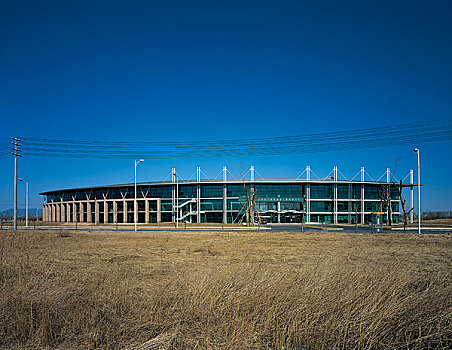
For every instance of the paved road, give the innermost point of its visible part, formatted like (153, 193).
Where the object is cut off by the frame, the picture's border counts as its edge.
(273, 227)
(351, 229)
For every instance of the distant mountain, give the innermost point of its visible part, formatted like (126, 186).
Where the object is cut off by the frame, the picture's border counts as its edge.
(20, 212)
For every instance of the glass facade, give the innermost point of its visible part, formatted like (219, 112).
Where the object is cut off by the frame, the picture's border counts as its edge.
(187, 191)
(237, 190)
(273, 192)
(321, 191)
(211, 191)
(282, 201)
(322, 206)
(211, 205)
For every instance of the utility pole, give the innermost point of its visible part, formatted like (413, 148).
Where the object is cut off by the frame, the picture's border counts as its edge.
(16, 152)
(416, 150)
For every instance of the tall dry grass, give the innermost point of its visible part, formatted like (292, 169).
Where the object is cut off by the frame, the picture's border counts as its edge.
(52, 297)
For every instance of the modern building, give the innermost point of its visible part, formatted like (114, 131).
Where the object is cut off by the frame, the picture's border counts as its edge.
(332, 199)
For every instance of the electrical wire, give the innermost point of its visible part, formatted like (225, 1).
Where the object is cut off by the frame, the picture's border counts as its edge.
(411, 133)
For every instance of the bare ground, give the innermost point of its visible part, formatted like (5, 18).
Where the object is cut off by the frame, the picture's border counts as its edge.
(206, 290)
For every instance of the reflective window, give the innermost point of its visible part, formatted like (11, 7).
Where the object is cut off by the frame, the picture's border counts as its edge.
(321, 191)
(321, 206)
(277, 192)
(212, 217)
(152, 205)
(209, 191)
(343, 206)
(264, 206)
(395, 206)
(187, 191)
(372, 206)
(160, 192)
(394, 193)
(167, 205)
(371, 192)
(291, 206)
(237, 190)
(343, 191)
(211, 205)
(234, 204)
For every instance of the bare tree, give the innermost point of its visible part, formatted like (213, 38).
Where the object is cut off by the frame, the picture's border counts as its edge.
(403, 202)
(384, 192)
(357, 209)
(250, 205)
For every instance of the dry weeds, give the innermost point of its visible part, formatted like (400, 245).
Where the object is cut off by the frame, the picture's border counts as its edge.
(224, 290)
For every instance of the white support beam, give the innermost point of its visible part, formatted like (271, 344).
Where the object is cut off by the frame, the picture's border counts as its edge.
(173, 195)
(362, 194)
(308, 194)
(411, 196)
(198, 194)
(225, 195)
(335, 194)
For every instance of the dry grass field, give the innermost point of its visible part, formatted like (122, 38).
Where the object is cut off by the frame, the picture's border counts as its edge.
(244, 290)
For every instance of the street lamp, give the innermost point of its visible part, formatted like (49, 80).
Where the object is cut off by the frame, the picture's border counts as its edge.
(418, 189)
(177, 198)
(135, 201)
(26, 201)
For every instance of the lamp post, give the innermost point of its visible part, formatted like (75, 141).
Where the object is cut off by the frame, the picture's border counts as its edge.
(135, 201)
(26, 201)
(418, 189)
(177, 199)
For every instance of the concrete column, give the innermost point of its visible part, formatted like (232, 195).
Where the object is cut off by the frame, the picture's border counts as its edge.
(74, 212)
(279, 209)
(81, 208)
(146, 211)
(159, 210)
(63, 212)
(124, 210)
(88, 211)
(96, 213)
(115, 211)
(105, 212)
(58, 212)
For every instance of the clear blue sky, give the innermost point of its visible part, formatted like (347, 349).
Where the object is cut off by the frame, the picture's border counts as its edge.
(206, 70)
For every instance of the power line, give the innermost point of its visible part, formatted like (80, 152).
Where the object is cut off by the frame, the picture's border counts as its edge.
(420, 132)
